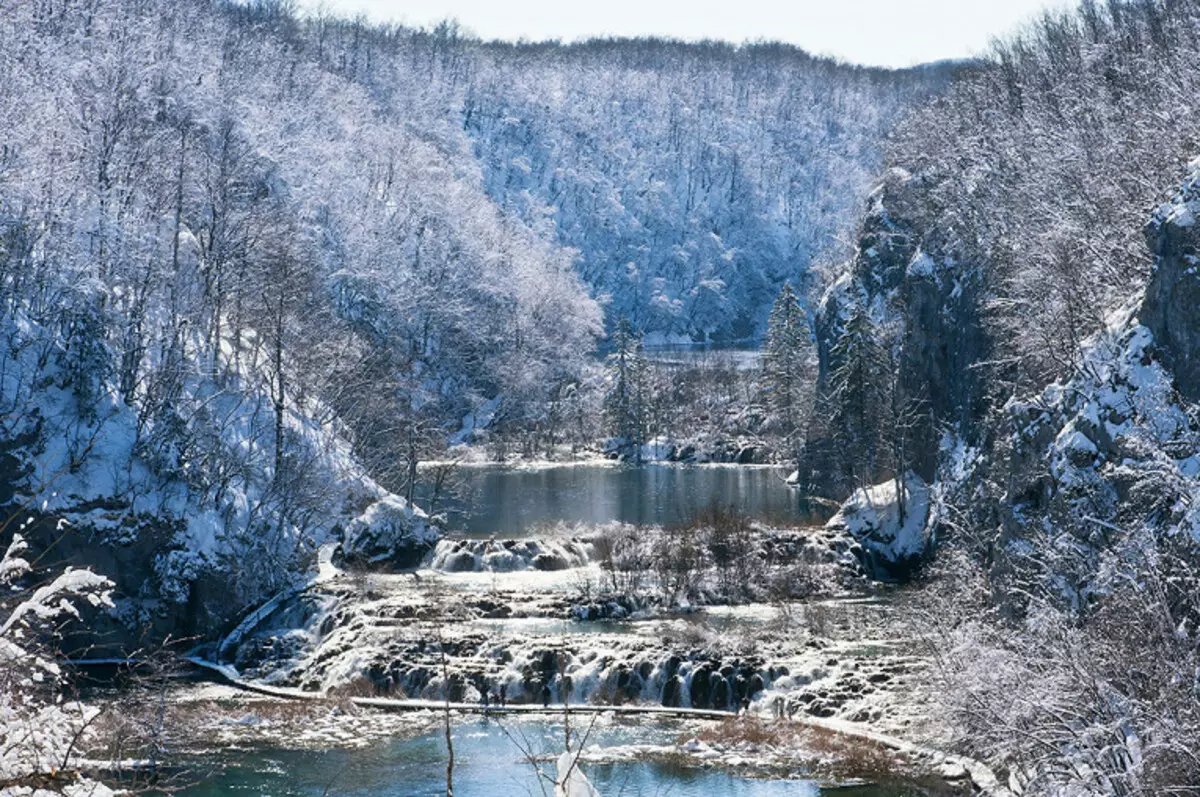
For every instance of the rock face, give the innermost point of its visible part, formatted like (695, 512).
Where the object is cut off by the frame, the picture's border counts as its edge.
(1171, 309)
(911, 280)
(887, 242)
(1108, 449)
(390, 534)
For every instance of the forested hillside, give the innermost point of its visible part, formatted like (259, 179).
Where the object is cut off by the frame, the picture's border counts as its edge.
(1019, 328)
(238, 287)
(255, 267)
(693, 180)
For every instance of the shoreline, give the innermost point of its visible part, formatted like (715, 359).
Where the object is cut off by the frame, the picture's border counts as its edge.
(260, 717)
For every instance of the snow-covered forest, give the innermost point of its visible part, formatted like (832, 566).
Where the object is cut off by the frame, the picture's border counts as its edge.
(693, 180)
(276, 288)
(255, 264)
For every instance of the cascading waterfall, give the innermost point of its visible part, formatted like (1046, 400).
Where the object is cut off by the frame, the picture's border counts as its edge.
(506, 556)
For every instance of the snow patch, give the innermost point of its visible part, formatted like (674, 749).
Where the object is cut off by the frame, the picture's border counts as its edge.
(892, 532)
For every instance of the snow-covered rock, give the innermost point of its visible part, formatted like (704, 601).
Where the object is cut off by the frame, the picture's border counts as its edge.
(894, 537)
(1093, 457)
(390, 532)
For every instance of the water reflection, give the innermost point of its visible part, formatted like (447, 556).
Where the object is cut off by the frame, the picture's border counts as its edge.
(506, 502)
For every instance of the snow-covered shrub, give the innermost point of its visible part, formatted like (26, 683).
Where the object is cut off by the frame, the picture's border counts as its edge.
(39, 731)
(1106, 707)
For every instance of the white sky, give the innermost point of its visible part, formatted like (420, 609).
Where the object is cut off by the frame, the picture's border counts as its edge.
(877, 32)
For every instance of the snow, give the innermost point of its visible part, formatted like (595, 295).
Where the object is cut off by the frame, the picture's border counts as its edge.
(475, 421)
(50, 601)
(571, 780)
(922, 265)
(872, 515)
(1181, 211)
(659, 449)
(1074, 440)
(12, 566)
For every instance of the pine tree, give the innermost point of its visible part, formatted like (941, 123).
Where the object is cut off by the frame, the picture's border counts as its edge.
(860, 392)
(787, 355)
(625, 403)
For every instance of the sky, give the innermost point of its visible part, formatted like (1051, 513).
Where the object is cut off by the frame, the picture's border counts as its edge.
(876, 32)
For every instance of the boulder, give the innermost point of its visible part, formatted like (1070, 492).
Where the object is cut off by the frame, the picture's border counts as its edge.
(550, 561)
(390, 534)
(720, 692)
(701, 688)
(672, 696)
(892, 543)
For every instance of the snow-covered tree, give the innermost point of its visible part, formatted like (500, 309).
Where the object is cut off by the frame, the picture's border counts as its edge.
(626, 401)
(39, 731)
(788, 354)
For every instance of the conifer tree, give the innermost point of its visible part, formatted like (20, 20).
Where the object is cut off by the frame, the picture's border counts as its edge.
(787, 358)
(625, 403)
(860, 387)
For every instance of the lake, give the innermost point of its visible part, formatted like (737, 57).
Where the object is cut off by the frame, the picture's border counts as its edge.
(505, 501)
(488, 764)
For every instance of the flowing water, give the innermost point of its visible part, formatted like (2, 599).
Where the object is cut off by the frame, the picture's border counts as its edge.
(514, 501)
(488, 762)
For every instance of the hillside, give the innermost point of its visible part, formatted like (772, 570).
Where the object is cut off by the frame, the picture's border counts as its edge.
(1022, 303)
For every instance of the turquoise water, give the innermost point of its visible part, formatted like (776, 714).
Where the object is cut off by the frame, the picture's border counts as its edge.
(488, 763)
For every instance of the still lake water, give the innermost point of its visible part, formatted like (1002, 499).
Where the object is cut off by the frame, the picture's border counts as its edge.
(514, 501)
(488, 764)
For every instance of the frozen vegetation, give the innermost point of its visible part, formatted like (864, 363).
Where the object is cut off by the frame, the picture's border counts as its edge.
(270, 283)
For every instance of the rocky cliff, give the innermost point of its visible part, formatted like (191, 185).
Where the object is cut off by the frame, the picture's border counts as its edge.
(925, 300)
(1071, 474)
(1171, 308)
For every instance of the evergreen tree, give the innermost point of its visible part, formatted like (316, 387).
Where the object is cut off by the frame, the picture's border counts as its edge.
(860, 388)
(787, 355)
(625, 403)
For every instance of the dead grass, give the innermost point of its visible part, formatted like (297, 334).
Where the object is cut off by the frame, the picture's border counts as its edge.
(824, 752)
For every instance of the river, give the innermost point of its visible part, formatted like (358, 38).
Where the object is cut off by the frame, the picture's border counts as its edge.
(515, 502)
